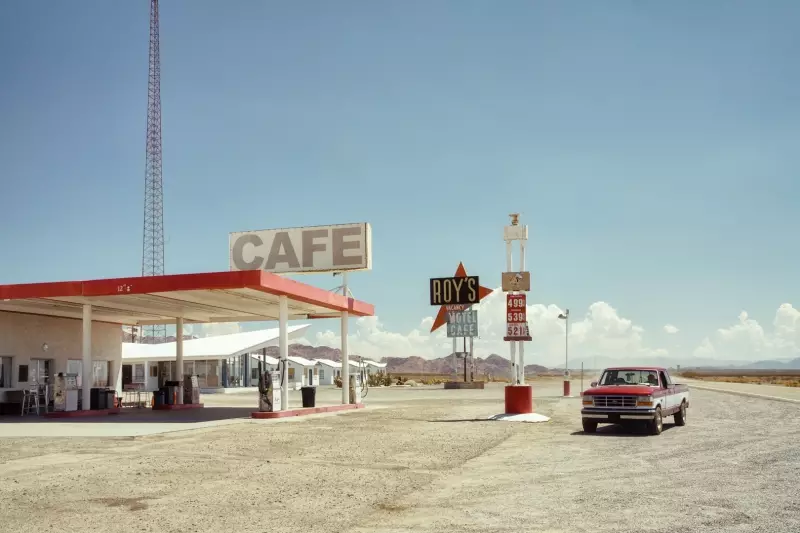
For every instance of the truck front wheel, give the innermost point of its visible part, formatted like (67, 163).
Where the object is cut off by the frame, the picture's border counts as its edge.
(657, 423)
(589, 426)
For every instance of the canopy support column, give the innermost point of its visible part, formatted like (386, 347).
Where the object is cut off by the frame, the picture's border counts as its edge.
(283, 348)
(179, 357)
(86, 360)
(345, 354)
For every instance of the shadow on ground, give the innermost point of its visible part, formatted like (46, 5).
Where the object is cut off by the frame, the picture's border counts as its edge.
(616, 430)
(142, 416)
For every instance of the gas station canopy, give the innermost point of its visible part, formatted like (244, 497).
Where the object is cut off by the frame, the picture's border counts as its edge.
(231, 296)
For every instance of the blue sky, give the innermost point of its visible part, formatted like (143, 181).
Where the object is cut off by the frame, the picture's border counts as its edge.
(652, 147)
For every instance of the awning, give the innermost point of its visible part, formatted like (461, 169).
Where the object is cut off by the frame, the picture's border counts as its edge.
(235, 296)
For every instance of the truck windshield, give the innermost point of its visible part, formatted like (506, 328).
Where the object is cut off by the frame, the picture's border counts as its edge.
(629, 377)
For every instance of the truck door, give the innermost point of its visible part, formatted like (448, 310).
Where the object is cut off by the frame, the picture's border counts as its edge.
(669, 399)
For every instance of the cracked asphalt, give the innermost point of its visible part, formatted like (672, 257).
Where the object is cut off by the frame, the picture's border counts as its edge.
(420, 460)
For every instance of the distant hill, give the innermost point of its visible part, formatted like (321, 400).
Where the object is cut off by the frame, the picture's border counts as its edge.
(493, 365)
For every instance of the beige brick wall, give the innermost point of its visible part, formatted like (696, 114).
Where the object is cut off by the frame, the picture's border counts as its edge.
(22, 336)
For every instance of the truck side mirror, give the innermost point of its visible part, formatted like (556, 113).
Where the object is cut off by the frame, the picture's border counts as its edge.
(593, 384)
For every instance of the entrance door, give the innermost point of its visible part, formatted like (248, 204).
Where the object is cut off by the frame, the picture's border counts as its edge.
(127, 375)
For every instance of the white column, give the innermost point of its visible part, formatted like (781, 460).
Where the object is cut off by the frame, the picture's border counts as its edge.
(179, 357)
(471, 360)
(86, 363)
(283, 348)
(455, 359)
(512, 345)
(521, 366)
(345, 354)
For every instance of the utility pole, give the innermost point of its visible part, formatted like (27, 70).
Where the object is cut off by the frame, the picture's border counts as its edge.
(153, 241)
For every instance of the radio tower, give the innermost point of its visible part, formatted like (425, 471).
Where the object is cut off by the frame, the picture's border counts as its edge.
(153, 246)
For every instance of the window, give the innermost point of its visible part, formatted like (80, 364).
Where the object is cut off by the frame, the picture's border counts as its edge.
(75, 366)
(138, 373)
(321, 374)
(253, 373)
(5, 372)
(291, 373)
(100, 373)
(154, 371)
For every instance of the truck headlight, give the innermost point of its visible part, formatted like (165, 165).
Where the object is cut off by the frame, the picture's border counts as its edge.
(588, 400)
(645, 401)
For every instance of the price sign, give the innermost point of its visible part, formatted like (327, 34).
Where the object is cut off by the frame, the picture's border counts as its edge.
(516, 305)
(516, 318)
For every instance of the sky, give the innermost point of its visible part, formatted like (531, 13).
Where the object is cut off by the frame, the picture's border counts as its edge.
(651, 147)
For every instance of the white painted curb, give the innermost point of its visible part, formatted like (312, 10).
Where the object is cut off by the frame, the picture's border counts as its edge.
(742, 393)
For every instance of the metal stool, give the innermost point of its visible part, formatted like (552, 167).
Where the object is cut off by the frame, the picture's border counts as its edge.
(30, 400)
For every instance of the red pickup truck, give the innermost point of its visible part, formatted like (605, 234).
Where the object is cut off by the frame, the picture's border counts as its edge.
(636, 393)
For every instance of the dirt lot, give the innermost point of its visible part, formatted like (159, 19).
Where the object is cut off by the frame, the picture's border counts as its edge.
(786, 378)
(418, 461)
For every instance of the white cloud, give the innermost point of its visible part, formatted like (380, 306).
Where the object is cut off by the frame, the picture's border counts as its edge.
(672, 330)
(600, 332)
(747, 340)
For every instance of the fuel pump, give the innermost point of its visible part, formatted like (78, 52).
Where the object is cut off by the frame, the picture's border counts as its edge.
(358, 384)
(269, 396)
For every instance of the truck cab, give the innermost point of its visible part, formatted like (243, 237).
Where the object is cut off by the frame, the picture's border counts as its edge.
(634, 394)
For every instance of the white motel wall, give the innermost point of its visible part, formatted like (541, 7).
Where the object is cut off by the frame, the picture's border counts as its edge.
(43, 346)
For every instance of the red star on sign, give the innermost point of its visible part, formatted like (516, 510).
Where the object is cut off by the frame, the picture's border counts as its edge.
(441, 318)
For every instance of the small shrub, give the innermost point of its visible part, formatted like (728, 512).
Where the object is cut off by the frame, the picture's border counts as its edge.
(338, 381)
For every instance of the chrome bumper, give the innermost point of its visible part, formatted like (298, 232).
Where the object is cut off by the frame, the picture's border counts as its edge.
(626, 414)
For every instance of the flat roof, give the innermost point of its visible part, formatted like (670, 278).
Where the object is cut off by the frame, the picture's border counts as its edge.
(231, 296)
(215, 347)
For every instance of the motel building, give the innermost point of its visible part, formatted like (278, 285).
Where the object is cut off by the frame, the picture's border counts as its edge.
(74, 328)
(220, 362)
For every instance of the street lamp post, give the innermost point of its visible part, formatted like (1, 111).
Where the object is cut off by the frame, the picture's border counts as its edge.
(565, 317)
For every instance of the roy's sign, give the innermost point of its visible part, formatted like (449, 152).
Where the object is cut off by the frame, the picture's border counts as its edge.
(454, 291)
(338, 248)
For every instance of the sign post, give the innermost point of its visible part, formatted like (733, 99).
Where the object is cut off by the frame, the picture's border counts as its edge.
(518, 395)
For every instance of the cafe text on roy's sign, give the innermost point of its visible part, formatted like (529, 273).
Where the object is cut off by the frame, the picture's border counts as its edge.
(337, 248)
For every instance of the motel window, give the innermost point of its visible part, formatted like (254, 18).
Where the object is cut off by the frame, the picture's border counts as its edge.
(154, 371)
(253, 373)
(138, 373)
(100, 373)
(75, 366)
(321, 374)
(5, 372)
(291, 373)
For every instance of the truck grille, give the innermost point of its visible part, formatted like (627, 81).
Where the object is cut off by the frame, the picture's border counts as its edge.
(615, 401)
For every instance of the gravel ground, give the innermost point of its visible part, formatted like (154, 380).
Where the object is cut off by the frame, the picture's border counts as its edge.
(419, 462)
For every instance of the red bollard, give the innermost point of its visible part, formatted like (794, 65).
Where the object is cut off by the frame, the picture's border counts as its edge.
(566, 387)
(519, 399)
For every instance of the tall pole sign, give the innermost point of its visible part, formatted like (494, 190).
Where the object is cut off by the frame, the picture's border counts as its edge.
(515, 284)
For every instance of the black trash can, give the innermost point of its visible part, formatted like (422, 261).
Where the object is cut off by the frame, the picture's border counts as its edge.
(94, 399)
(111, 398)
(309, 396)
(158, 398)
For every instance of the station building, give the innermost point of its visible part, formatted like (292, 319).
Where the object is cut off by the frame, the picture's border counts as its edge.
(74, 327)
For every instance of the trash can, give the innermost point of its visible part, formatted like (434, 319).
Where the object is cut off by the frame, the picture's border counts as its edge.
(94, 400)
(158, 398)
(111, 398)
(309, 396)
